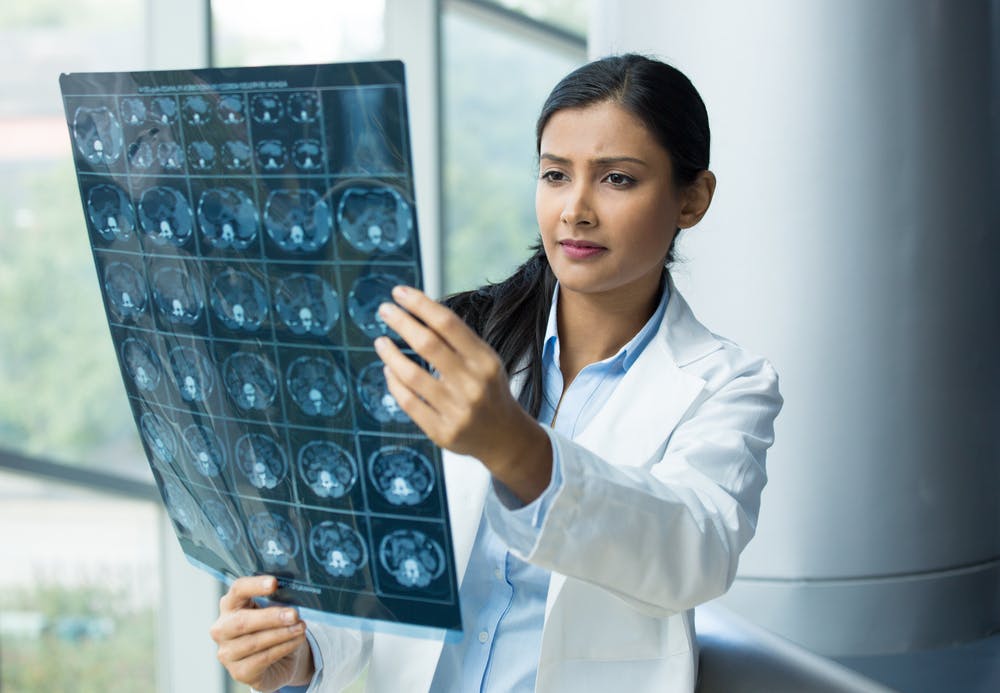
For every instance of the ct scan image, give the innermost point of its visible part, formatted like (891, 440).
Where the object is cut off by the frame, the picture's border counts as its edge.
(246, 224)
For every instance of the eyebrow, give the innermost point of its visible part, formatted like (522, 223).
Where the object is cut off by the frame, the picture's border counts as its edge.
(604, 160)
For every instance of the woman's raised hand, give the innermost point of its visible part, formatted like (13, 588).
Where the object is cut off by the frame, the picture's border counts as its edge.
(265, 648)
(467, 407)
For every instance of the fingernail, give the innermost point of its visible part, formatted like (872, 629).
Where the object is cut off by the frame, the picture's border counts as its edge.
(267, 583)
(400, 291)
(288, 615)
(380, 344)
(386, 309)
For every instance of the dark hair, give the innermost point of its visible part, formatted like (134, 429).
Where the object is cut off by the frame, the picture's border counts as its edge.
(511, 315)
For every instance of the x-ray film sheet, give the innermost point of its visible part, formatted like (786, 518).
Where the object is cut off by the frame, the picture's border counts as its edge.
(245, 224)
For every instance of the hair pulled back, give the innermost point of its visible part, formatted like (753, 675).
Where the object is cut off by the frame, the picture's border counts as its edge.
(511, 315)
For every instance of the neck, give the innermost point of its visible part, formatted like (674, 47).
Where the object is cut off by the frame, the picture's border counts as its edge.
(593, 327)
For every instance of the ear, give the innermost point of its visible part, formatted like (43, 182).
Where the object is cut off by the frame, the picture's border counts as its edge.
(696, 199)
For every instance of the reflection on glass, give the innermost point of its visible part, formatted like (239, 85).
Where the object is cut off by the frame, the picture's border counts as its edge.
(228, 218)
(274, 538)
(327, 468)
(376, 218)
(98, 135)
(177, 296)
(375, 396)
(261, 460)
(401, 475)
(126, 291)
(317, 386)
(297, 220)
(165, 215)
(238, 300)
(307, 304)
(110, 212)
(193, 374)
(207, 453)
(338, 548)
(250, 381)
(411, 557)
(141, 363)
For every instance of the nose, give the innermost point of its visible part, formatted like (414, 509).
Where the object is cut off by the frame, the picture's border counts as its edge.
(577, 210)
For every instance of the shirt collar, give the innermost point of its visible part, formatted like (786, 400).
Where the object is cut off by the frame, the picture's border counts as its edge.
(628, 353)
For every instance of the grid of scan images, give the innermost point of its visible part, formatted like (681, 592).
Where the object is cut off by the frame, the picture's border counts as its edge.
(246, 224)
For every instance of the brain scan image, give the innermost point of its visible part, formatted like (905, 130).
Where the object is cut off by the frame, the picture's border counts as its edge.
(180, 506)
(297, 220)
(133, 110)
(327, 468)
(126, 291)
(411, 557)
(140, 155)
(231, 109)
(159, 436)
(261, 460)
(401, 475)
(98, 135)
(177, 296)
(375, 396)
(170, 155)
(317, 386)
(271, 156)
(238, 300)
(196, 110)
(367, 294)
(193, 374)
(371, 219)
(163, 109)
(227, 218)
(306, 304)
(201, 155)
(266, 109)
(142, 364)
(207, 453)
(236, 156)
(307, 155)
(338, 548)
(227, 529)
(274, 538)
(110, 212)
(165, 216)
(250, 381)
(303, 107)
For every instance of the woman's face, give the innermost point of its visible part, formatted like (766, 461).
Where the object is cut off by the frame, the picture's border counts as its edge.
(606, 203)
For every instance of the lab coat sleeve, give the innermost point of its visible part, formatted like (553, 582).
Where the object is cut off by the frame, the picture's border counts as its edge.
(665, 534)
(339, 654)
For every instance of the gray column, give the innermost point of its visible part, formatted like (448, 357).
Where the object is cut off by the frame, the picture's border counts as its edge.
(855, 241)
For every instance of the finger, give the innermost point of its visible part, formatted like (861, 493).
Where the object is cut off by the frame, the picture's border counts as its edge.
(255, 643)
(439, 318)
(242, 622)
(419, 411)
(426, 386)
(244, 589)
(431, 346)
(250, 669)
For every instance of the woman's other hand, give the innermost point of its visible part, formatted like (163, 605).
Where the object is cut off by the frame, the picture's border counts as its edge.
(265, 648)
(467, 406)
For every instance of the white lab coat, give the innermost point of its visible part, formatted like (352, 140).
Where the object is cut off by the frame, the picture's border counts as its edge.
(660, 496)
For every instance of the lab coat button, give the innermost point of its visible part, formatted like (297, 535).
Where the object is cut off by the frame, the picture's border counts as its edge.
(498, 573)
(483, 636)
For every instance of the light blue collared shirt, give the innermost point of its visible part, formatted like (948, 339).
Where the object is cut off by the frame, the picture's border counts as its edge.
(503, 597)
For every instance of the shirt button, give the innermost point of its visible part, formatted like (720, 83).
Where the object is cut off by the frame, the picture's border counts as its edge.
(498, 574)
(483, 636)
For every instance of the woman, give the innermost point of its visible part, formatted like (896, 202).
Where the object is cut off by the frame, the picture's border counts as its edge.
(619, 445)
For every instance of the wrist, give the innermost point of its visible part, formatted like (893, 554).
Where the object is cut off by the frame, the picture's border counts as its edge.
(523, 462)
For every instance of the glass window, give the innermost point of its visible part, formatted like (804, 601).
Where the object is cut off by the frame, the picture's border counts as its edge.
(62, 396)
(78, 589)
(570, 15)
(250, 32)
(494, 86)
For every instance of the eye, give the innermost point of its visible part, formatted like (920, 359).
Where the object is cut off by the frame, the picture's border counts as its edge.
(553, 176)
(619, 180)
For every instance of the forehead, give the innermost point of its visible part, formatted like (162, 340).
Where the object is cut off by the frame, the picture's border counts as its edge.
(602, 129)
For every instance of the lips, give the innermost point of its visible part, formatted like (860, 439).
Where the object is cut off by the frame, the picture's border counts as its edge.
(580, 250)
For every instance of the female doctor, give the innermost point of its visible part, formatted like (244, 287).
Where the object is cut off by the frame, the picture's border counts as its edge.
(615, 446)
